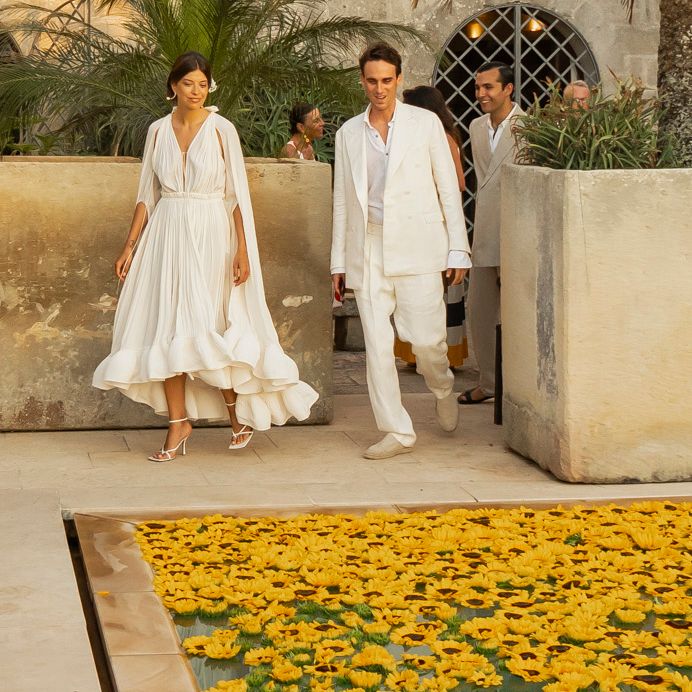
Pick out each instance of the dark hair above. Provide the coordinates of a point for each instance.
(298, 114)
(432, 99)
(380, 51)
(506, 72)
(184, 64)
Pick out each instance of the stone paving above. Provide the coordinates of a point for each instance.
(47, 476)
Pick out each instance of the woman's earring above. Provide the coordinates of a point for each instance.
(170, 98)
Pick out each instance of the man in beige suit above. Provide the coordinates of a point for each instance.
(398, 226)
(492, 144)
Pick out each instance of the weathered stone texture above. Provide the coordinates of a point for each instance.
(616, 44)
(596, 315)
(675, 74)
(64, 222)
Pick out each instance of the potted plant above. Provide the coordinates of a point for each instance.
(597, 293)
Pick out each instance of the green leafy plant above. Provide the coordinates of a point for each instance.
(618, 131)
(102, 91)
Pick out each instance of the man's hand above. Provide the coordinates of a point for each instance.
(455, 276)
(339, 283)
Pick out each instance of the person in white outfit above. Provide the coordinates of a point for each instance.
(193, 337)
(398, 226)
(492, 145)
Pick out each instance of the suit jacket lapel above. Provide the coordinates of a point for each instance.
(403, 137)
(359, 165)
(503, 149)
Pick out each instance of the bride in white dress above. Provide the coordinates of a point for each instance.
(193, 337)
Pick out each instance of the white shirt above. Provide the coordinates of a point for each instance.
(494, 135)
(377, 159)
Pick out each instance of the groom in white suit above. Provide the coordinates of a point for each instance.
(398, 225)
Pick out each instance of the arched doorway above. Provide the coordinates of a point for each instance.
(541, 46)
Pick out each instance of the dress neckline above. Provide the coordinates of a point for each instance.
(194, 138)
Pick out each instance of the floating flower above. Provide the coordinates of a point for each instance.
(327, 669)
(420, 662)
(256, 657)
(637, 641)
(449, 648)
(373, 655)
(630, 617)
(220, 649)
(682, 682)
(285, 671)
(376, 627)
(229, 686)
(649, 538)
(679, 657)
(362, 678)
(332, 648)
(527, 670)
(194, 646)
(405, 680)
(250, 624)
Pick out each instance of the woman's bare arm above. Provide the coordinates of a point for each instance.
(458, 166)
(139, 220)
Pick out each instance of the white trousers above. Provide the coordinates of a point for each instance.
(484, 316)
(417, 304)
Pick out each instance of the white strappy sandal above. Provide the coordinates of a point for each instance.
(171, 454)
(246, 431)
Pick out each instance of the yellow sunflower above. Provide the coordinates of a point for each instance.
(362, 678)
(373, 655)
(285, 671)
(256, 657)
(406, 680)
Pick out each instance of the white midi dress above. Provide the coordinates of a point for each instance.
(179, 311)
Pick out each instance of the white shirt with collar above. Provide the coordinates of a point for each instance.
(495, 134)
(377, 159)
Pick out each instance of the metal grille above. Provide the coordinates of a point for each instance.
(542, 48)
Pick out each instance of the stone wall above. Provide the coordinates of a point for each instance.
(63, 223)
(596, 315)
(675, 74)
(625, 48)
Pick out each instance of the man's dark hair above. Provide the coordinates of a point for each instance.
(506, 72)
(380, 51)
(431, 99)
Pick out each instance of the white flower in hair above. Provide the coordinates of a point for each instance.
(213, 86)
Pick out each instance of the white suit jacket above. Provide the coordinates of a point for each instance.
(488, 165)
(423, 217)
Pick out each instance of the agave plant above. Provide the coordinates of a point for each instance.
(620, 131)
(97, 92)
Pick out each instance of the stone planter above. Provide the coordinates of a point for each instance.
(64, 221)
(597, 322)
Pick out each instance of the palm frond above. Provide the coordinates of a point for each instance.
(91, 90)
(629, 8)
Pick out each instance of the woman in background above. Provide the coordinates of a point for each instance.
(307, 125)
(431, 99)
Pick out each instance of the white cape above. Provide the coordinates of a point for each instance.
(179, 311)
